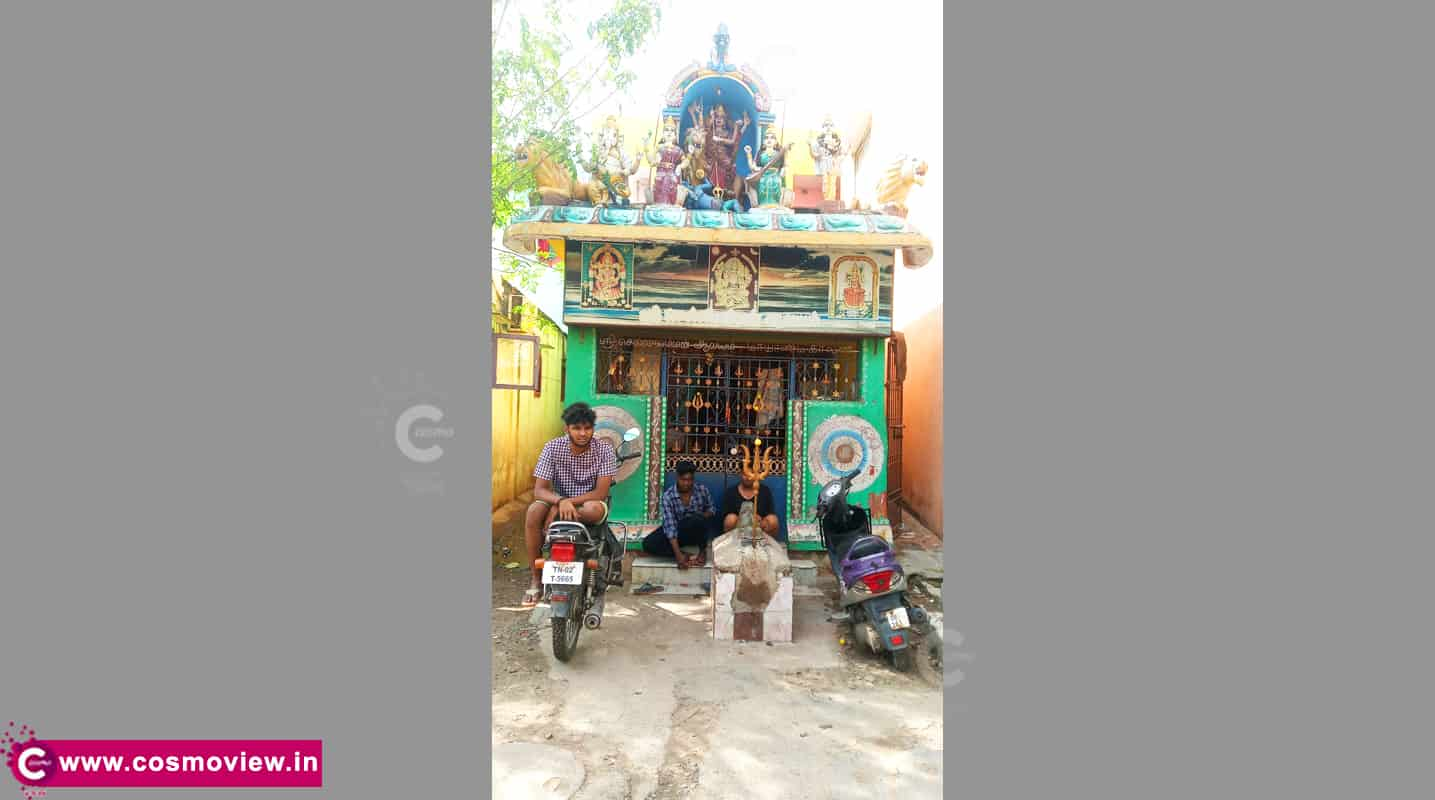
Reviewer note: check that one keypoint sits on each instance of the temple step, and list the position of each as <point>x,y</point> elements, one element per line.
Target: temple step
<point>665,573</point>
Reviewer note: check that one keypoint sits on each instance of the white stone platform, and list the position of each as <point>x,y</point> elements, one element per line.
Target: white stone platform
<point>663,572</point>
<point>772,624</point>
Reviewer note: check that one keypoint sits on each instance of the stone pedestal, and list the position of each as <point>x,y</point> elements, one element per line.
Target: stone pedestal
<point>752,589</point>
<point>772,624</point>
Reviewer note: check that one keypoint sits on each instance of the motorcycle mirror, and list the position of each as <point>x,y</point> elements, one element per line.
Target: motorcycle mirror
<point>631,434</point>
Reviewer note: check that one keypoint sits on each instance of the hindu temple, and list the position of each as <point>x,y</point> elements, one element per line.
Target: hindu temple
<point>721,299</point>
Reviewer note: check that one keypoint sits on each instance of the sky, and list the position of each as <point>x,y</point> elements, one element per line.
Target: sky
<point>835,58</point>
<point>818,59</point>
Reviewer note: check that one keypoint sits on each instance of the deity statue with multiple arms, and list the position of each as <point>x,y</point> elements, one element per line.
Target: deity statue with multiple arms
<point>827,152</point>
<point>764,178</point>
<point>720,146</point>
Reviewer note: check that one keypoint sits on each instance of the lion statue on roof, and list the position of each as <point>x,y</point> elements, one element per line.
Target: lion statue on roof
<point>557,185</point>
<point>895,184</point>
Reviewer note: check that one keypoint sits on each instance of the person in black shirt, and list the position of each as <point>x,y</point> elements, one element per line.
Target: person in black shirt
<point>750,488</point>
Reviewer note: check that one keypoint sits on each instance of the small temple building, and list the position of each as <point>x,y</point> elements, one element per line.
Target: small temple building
<point>728,302</point>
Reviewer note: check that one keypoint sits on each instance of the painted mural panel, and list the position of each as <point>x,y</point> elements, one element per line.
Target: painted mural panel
<point>733,287</point>
<point>732,278</point>
<point>793,280</point>
<point>607,279</point>
<point>669,276</point>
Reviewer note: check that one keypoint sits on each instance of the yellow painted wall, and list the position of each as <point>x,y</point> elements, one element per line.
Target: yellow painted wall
<point>522,423</point>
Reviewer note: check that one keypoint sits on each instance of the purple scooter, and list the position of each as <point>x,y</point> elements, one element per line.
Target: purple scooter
<point>871,584</point>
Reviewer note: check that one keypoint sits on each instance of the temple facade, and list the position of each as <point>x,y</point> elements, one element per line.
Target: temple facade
<point>729,301</point>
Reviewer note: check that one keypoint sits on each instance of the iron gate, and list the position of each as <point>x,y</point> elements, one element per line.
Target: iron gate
<point>721,395</point>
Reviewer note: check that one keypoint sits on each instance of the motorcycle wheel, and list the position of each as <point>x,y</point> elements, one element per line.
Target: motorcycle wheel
<point>903,659</point>
<point>565,638</point>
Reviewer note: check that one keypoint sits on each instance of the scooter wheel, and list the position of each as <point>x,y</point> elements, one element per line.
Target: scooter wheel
<point>903,659</point>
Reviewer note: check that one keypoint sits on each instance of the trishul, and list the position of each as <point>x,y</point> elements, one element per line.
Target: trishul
<point>756,466</point>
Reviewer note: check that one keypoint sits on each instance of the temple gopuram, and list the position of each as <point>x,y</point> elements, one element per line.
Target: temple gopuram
<point>728,301</point>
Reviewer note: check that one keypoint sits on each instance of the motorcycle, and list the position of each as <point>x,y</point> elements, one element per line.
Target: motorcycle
<point>579,563</point>
<point>872,588</point>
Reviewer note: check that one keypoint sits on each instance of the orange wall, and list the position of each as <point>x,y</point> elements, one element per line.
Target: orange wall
<point>922,417</point>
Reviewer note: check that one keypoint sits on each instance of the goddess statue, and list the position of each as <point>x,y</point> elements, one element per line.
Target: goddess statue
<point>764,178</point>
<point>721,138</point>
<point>665,160</point>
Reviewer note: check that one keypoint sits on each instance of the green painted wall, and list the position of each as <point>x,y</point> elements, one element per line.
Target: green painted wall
<point>630,496</point>
<point>872,407</point>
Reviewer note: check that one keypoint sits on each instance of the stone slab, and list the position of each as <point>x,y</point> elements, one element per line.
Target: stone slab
<point>663,572</point>
<point>804,572</point>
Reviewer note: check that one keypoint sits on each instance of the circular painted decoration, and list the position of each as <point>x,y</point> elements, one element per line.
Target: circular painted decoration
<point>843,443</point>
<point>612,422</point>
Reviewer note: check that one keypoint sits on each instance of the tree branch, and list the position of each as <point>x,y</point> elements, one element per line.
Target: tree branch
<point>499,26</point>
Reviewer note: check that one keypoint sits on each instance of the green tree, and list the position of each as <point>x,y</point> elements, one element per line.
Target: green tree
<point>544,84</point>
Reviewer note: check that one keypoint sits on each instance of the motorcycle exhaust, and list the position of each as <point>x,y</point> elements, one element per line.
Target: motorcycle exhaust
<point>594,618</point>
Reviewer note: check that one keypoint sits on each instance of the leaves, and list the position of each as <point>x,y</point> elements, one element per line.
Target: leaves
<point>544,82</point>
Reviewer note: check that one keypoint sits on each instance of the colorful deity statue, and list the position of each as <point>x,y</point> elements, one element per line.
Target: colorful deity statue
<point>665,160</point>
<point>827,152</point>
<point>611,167</point>
<point>721,138</point>
<point>693,169</point>
<point>764,178</point>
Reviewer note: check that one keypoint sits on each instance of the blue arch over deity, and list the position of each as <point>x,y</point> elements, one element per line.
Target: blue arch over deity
<point>739,89</point>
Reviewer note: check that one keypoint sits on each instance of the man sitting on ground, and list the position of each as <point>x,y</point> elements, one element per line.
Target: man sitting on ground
<point>572,479</point>
<point>750,489</point>
<point>687,513</point>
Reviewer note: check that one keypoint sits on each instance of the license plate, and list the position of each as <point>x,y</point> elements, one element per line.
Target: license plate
<point>897,619</point>
<point>566,573</point>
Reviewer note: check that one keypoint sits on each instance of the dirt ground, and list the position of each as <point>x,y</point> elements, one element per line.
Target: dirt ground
<point>651,707</point>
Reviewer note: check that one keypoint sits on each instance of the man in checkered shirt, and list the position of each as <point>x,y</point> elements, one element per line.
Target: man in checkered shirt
<point>572,479</point>
<point>688,511</point>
